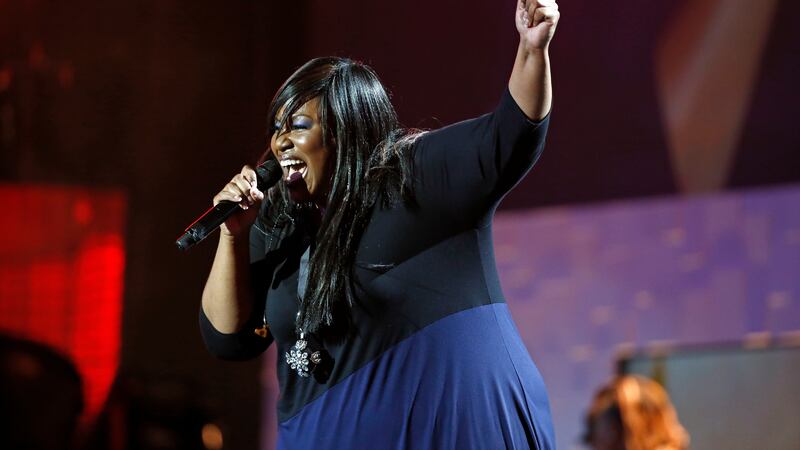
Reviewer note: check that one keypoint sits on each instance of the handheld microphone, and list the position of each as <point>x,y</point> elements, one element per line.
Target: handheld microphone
<point>267,174</point>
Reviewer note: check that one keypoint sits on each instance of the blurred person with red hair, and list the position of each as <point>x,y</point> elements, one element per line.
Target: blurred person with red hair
<point>634,413</point>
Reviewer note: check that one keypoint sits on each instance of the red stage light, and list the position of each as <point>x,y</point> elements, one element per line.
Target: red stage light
<point>62,259</point>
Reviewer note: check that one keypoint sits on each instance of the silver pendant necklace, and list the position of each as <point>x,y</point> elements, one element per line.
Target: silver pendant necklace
<point>306,355</point>
<point>303,358</point>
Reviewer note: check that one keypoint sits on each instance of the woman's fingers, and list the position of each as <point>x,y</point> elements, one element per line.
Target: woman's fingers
<point>544,14</point>
<point>242,189</point>
<point>536,22</point>
<point>249,176</point>
<point>245,185</point>
<point>522,12</point>
<point>538,11</point>
<point>229,193</point>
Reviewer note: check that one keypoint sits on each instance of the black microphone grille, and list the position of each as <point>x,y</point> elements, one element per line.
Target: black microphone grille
<point>269,173</point>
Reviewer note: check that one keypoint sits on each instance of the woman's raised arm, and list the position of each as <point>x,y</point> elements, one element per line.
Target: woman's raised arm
<point>530,83</point>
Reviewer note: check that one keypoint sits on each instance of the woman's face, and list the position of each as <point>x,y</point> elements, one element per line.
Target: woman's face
<point>305,161</point>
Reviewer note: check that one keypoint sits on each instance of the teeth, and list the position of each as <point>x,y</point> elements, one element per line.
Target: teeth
<point>292,165</point>
<point>290,162</point>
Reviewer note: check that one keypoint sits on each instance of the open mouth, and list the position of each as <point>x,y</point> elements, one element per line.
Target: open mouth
<point>292,166</point>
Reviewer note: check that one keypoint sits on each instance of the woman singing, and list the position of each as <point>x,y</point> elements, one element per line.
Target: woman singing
<point>370,265</point>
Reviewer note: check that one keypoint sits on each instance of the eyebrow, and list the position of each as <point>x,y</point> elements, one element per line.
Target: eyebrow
<point>294,116</point>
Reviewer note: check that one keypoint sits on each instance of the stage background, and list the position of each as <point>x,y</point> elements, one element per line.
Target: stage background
<point>664,110</point>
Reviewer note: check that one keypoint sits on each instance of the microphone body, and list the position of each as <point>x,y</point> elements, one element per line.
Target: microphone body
<point>267,174</point>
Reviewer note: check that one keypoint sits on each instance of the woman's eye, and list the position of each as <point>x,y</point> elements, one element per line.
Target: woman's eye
<point>301,125</point>
<point>276,127</point>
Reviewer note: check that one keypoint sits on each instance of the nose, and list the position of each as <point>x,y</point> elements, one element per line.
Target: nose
<point>282,142</point>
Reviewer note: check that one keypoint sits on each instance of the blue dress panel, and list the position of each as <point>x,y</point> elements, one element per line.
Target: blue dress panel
<point>430,358</point>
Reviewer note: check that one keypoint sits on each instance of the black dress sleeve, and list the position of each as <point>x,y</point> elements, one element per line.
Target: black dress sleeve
<point>244,344</point>
<point>466,168</point>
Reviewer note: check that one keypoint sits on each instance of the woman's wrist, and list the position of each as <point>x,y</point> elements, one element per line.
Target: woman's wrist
<point>227,237</point>
<point>526,51</point>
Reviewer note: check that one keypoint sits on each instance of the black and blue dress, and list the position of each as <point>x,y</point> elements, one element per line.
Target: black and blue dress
<point>432,358</point>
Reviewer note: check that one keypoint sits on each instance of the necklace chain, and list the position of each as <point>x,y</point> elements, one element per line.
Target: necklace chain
<point>306,355</point>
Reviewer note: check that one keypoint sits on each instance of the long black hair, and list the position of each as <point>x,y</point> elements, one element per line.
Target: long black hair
<point>372,163</point>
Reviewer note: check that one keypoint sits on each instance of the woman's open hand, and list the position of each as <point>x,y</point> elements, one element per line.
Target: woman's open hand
<point>536,22</point>
<point>243,190</point>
